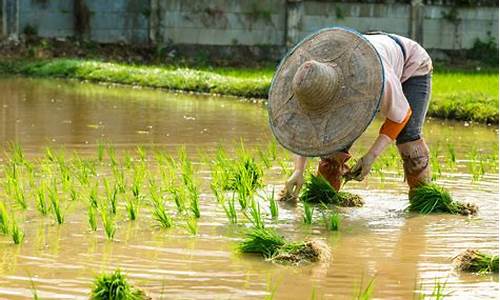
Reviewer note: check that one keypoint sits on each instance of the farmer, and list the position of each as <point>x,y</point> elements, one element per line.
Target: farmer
<point>328,89</point>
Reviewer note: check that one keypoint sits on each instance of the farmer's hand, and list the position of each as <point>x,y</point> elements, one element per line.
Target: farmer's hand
<point>362,167</point>
<point>292,186</point>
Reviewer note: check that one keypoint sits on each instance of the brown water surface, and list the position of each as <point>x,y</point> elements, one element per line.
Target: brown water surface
<point>404,253</point>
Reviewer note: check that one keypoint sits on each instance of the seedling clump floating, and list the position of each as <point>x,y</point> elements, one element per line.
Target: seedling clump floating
<point>115,286</point>
<point>318,190</point>
<point>476,262</point>
<point>431,198</point>
<point>276,248</point>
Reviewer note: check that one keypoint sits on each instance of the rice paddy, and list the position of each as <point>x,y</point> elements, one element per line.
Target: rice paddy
<point>172,217</point>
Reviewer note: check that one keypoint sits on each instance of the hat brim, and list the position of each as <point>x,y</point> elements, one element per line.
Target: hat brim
<point>323,133</point>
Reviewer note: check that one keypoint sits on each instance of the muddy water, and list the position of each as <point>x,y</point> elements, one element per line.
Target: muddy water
<point>404,253</point>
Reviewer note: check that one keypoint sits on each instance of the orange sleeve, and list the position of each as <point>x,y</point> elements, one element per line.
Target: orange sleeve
<point>392,129</point>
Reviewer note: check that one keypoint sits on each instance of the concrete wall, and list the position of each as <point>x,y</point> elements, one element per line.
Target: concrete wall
<point>246,22</point>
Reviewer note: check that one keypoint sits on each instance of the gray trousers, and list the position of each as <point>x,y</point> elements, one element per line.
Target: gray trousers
<point>418,93</point>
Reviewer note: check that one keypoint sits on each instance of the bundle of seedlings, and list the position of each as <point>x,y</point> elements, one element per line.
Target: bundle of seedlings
<point>431,198</point>
<point>276,248</point>
<point>244,172</point>
<point>476,262</point>
<point>318,190</point>
<point>115,286</point>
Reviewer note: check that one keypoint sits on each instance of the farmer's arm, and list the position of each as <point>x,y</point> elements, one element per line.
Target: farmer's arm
<point>388,133</point>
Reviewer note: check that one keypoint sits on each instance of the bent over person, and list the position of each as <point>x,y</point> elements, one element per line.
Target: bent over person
<point>328,89</point>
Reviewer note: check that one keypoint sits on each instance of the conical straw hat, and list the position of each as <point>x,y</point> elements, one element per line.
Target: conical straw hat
<point>325,92</point>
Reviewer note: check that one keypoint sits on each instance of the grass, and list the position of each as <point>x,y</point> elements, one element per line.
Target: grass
<point>431,198</point>
<point>274,247</point>
<point>114,286</point>
<point>475,261</point>
<point>456,95</point>
<point>318,190</point>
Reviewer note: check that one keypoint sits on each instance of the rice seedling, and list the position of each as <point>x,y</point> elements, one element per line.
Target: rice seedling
<point>17,153</point>
<point>132,207</point>
<point>245,175</point>
<point>431,198</point>
<point>100,151</point>
<point>179,195</point>
<point>160,215</point>
<point>276,248</point>
<point>16,233</point>
<point>255,215</point>
<point>308,213</point>
<point>438,292</point>
<point>192,225</point>
<point>264,158</point>
<point>50,155</point>
<point>452,155</point>
<point>114,286</point>
<point>55,204</point>
<point>41,199</point>
<point>272,150</point>
<point>19,194</point>
<point>318,190</point>
<point>112,156</point>
<point>230,210</point>
<point>108,223</point>
<point>273,206</point>
<point>93,200</point>
<point>332,221</point>
<point>112,195</point>
<point>119,176</point>
<point>4,219</point>
<point>92,220</point>
<point>476,262</point>
<point>141,152</point>
<point>219,194</point>
<point>367,292</point>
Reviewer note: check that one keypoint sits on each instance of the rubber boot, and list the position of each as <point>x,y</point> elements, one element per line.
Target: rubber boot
<point>416,163</point>
<point>333,168</point>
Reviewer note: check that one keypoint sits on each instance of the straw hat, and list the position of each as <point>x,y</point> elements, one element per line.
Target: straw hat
<point>325,92</point>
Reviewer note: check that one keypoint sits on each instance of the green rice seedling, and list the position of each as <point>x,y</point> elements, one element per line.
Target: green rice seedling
<point>308,213</point>
<point>264,158</point>
<point>367,292</point>
<point>476,262</point>
<point>16,233</point>
<point>161,216</point>
<point>119,176</point>
<point>219,194</point>
<point>273,206</point>
<point>132,207</point>
<point>179,195</point>
<point>108,223</point>
<point>128,161</point>
<point>195,201</point>
<point>115,286</point>
<point>141,152</point>
<point>431,198</point>
<point>50,155</point>
<point>452,155</point>
<point>4,219</point>
<point>276,248</point>
<point>332,220</point>
<point>255,215</point>
<point>112,195</point>
<point>92,220</point>
<point>318,190</point>
<point>73,193</point>
<point>192,225</point>
<point>17,154</point>
<point>93,200</point>
<point>100,151</point>
<point>112,155</point>
<point>41,199</point>
<point>55,204</point>
<point>272,150</point>
<point>439,290</point>
<point>19,194</point>
<point>230,210</point>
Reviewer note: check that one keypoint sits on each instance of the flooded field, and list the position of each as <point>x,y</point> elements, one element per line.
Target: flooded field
<point>405,254</point>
